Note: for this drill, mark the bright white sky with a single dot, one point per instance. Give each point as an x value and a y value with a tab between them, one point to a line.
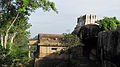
69	11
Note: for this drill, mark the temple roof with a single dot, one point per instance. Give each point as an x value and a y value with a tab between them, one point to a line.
50	35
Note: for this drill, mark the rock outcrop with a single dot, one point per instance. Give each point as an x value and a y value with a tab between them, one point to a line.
108	49
88	35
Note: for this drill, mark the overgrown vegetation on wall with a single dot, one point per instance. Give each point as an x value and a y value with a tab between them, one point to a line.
70	40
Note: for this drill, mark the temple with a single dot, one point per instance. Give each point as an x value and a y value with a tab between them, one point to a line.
86	19
48	48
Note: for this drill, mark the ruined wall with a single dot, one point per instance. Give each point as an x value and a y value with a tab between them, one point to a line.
45	52
48	51
49	44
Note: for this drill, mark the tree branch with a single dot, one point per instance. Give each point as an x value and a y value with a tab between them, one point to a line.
6	35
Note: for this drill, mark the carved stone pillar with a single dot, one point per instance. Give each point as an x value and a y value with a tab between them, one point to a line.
29	51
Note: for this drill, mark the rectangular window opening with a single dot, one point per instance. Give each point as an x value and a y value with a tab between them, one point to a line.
54	48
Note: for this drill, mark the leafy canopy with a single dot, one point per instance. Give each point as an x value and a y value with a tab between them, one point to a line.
108	23
19	10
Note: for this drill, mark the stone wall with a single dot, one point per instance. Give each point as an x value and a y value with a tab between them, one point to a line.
48	51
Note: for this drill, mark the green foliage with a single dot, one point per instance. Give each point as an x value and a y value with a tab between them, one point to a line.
108	23
22	62
18	54
3	58
10	8
31	5
33	47
19	10
70	40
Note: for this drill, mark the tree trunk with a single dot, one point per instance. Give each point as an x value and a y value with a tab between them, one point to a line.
12	38
1	40
5	41
6	35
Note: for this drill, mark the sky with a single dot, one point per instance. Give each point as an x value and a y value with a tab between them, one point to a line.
68	12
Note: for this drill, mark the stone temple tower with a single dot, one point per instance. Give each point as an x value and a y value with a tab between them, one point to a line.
86	19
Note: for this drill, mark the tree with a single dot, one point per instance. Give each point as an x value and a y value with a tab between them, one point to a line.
19	31
11	10
70	40
14	24
108	23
